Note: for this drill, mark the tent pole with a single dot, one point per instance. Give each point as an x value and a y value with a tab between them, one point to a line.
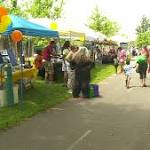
21	81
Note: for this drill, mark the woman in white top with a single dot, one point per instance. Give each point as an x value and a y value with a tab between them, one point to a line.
65	52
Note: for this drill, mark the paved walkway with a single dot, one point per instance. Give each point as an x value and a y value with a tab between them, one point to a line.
119	120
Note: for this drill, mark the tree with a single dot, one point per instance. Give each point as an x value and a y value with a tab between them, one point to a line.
143	39
47	8
143	32
14	8
144	25
101	23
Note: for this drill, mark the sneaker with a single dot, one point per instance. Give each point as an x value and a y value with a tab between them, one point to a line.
144	85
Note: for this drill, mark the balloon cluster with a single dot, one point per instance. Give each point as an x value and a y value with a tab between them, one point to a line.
5	20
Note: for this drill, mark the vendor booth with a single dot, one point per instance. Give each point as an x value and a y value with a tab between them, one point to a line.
28	29
19	71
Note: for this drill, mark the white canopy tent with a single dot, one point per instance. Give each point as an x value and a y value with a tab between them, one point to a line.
119	38
73	31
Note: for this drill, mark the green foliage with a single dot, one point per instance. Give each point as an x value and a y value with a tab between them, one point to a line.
40	42
131	44
102	24
143	32
14	8
36	8
143	39
47	8
144	25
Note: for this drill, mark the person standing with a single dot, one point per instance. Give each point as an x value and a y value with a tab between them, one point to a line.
70	70
82	64
48	54
121	58
116	63
38	62
128	70
65	52
142	65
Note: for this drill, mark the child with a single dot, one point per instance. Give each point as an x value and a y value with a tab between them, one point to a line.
116	63
39	64
128	69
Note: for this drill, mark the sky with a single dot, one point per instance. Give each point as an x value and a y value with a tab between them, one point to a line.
127	13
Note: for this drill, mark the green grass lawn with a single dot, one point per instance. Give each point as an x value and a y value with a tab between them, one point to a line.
37	99
44	96
101	72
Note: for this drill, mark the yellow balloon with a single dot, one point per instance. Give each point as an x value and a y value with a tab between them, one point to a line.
81	38
6	20
54	26
2	28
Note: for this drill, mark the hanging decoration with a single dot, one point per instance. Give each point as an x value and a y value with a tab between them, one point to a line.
5	20
54	26
16	36
82	39
3	28
3	11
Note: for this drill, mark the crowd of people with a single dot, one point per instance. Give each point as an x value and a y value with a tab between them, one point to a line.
142	66
76	66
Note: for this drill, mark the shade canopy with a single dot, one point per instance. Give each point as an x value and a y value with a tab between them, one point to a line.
28	28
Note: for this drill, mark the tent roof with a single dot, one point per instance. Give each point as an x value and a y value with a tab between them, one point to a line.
68	29
28	28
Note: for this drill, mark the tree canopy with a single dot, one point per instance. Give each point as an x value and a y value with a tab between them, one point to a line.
143	32
47	8
143	39
144	25
35	8
14	8
101	23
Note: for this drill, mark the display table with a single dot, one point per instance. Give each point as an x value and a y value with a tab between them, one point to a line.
27	74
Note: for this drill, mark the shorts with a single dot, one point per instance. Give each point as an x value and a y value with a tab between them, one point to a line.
49	68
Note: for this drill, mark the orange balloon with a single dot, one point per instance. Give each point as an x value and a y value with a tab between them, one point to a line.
3	11
16	36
